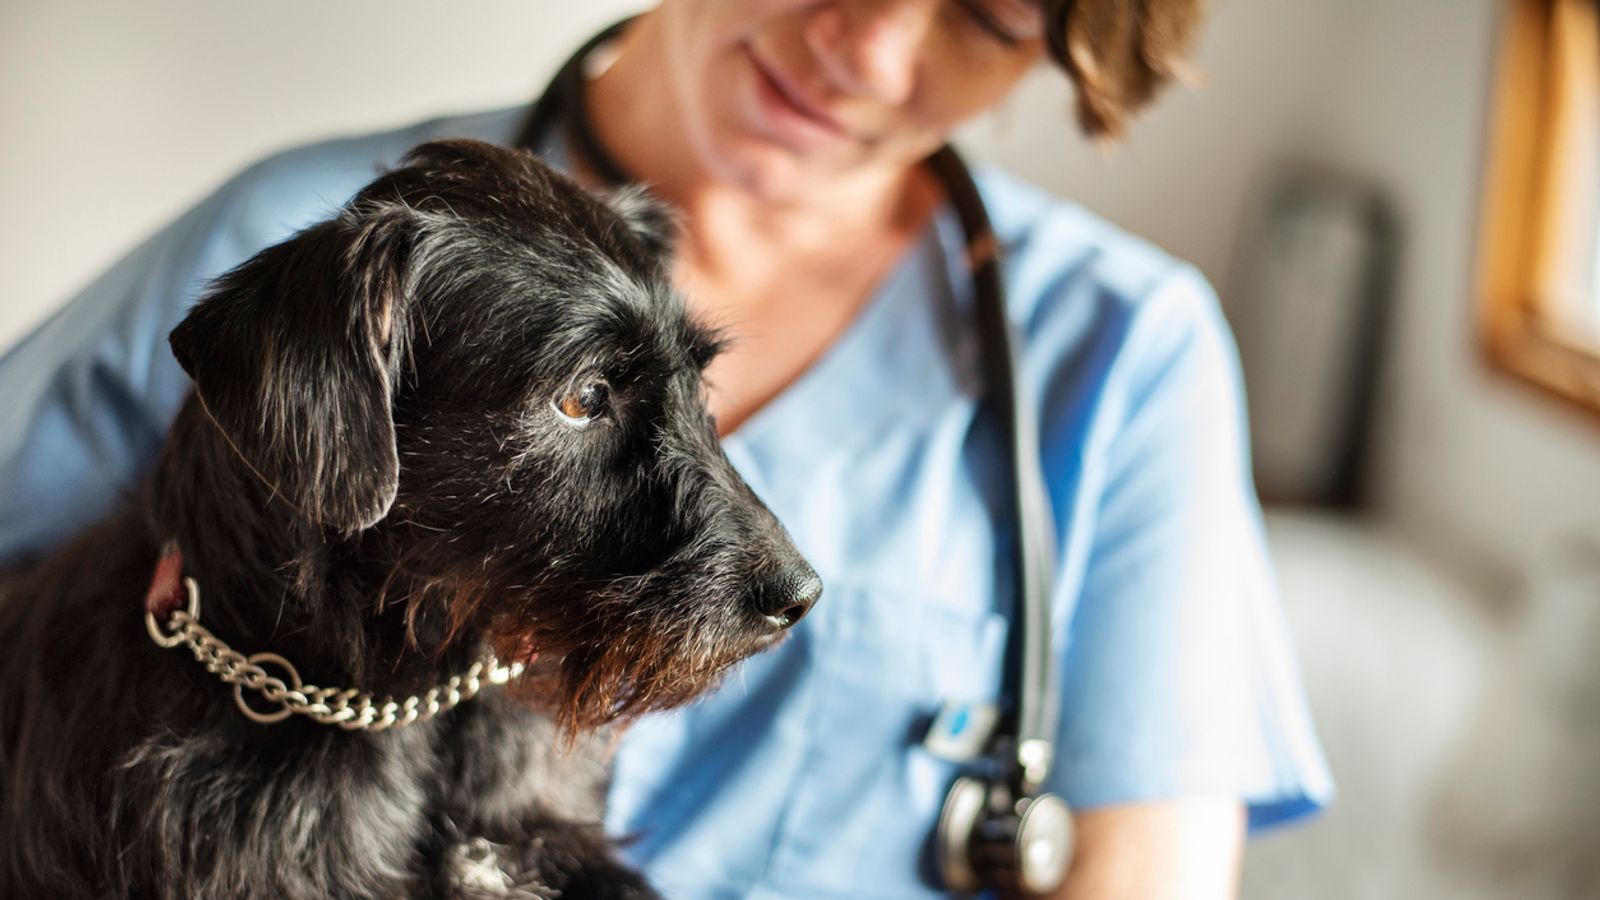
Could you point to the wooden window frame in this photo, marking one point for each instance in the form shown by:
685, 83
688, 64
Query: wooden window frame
1527, 205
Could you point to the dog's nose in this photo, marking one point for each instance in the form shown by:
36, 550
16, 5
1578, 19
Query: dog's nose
790, 596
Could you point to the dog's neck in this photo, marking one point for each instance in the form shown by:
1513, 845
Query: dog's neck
273, 581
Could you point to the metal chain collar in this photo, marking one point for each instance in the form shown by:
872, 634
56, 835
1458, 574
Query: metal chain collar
347, 708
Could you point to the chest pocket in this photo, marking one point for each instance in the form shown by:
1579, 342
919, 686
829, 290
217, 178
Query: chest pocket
867, 795
804, 776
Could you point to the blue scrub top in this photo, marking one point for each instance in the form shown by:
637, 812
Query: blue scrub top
803, 776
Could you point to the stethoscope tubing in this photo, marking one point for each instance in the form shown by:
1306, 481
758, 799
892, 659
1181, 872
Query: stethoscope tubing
1026, 734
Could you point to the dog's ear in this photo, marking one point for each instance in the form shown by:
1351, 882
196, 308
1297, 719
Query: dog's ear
652, 224
294, 355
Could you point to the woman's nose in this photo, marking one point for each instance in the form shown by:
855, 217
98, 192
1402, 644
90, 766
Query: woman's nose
870, 48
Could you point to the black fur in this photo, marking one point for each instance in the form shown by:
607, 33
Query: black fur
374, 477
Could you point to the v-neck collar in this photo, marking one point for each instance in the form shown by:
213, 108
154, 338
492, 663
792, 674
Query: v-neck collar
821, 395
821, 409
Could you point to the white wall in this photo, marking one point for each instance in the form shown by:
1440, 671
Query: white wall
1477, 464
115, 116
1188, 168
1476, 467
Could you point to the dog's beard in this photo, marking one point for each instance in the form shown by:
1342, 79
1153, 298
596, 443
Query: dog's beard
596, 653
588, 685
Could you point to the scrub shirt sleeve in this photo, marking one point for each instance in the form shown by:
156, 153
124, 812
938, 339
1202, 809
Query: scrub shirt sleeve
1178, 678
90, 393
85, 400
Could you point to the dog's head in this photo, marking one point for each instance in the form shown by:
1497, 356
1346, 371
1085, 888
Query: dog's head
479, 373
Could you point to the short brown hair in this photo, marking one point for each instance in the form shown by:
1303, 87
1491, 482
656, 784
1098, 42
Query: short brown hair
1119, 53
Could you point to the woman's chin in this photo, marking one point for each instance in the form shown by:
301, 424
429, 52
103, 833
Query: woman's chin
772, 172
778, 182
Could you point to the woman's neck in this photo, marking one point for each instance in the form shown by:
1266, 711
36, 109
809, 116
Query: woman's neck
633, 111
785, 268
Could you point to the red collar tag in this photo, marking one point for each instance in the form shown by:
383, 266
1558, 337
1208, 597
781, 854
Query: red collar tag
166, 586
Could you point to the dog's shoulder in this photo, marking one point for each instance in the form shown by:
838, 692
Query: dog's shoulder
511, 762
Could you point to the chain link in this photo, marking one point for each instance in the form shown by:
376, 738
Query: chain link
347, 708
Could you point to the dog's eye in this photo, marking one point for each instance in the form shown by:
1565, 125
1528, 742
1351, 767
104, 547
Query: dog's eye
586, 401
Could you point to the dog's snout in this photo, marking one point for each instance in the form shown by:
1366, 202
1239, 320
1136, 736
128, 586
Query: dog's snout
790, 596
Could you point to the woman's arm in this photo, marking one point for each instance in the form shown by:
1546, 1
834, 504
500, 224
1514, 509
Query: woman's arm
1181, 704
1175, 850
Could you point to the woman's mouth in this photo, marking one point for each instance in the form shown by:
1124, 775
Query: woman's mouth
787, 110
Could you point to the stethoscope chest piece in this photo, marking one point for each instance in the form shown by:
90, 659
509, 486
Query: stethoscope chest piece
963, 807
987, 838
1043, 844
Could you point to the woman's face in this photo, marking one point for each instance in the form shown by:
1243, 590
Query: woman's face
776, 95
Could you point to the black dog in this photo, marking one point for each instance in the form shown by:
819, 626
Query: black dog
456, 430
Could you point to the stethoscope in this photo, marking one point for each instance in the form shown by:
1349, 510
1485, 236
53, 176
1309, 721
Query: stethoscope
997, 829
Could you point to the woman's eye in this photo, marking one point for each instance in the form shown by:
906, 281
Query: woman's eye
1009, 23
988, 22
584, 401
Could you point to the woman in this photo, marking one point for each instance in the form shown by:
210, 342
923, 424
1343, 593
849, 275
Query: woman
790, 133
